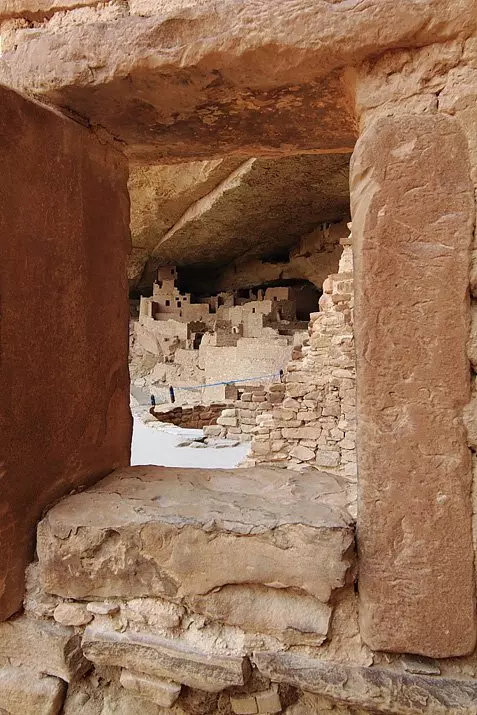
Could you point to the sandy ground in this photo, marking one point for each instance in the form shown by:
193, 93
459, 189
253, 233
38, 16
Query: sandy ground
156, 443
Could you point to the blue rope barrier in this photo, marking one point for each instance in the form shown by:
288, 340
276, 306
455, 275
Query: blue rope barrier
169, 391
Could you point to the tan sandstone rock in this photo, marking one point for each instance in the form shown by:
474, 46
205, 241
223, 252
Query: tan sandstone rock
44, 646
412, 228
72, 614
171, 659
289, 616
181, 533
375, 689
159, 691
24, 692
89, 62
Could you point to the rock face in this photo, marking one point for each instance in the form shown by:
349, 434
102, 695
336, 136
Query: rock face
380, 689
139, 57
212, 212
51, 264
412, 229
25, 691
164, 658
313, 258
182, 534
160, 195
264, 206
43, 646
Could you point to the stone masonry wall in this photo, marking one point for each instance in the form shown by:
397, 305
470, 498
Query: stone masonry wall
191, 592
239, 421
64, 389
310, 418
413, 190
195, 417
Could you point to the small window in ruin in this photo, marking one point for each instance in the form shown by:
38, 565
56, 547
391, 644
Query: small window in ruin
179, 304
172, 271
253, 310
168, 302
274, 297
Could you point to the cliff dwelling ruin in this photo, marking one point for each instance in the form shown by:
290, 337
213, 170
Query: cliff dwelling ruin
269, 208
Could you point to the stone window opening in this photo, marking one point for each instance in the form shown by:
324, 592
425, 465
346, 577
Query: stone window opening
391, 620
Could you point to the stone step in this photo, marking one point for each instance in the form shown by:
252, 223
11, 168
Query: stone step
192, 569
154, 531
259, 549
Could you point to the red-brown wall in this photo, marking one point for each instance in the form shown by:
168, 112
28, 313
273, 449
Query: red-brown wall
64, 239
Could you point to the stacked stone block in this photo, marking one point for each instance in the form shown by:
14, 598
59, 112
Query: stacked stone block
311, 418
240, 421
196, 417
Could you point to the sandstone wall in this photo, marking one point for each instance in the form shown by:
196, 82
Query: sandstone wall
195, 417
309, 419
239, 421
64, 410
413, 181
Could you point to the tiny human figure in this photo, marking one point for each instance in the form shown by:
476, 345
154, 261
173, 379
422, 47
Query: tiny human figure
172, 395
153, 401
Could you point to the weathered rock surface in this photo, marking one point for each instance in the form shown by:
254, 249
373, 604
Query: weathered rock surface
159, 691
43, 646
241, 64
412, 230
164, 658
72, 614
31, 8
313, 258
83, 401
381, 690
289, 616
264, 206
151, 531
24, 692
159, 197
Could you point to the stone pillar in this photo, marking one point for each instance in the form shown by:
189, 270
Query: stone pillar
413, 215
64, 388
